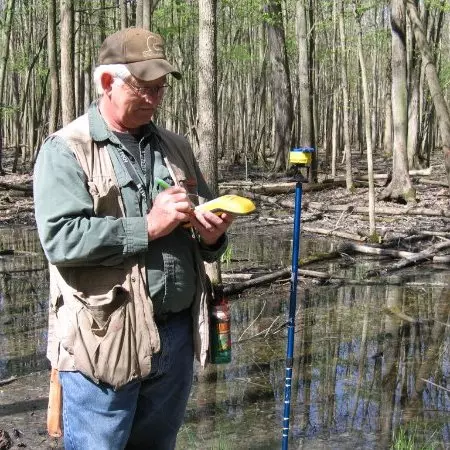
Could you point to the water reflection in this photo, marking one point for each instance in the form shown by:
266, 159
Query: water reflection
23, 304
370, 365
370, 361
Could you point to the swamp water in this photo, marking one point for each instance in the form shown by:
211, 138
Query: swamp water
371, 360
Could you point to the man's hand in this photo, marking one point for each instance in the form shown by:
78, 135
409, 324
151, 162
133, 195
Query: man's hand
210, 226
170, 208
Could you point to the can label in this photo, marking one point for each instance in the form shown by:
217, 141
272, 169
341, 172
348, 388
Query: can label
224, 341
223, 327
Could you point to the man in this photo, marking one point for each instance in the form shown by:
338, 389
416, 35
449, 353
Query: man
128, 305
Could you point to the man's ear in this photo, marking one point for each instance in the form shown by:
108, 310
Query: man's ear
106, 80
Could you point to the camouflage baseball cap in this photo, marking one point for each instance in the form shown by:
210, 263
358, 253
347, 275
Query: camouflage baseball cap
140, 50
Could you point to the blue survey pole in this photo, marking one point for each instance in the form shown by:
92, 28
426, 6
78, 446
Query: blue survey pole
300, 157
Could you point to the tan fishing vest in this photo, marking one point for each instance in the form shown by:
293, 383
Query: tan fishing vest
101, 318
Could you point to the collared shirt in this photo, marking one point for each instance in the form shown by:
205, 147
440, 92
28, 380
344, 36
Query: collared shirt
71, 235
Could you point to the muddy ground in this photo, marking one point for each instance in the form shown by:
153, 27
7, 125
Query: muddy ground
23, 409
23, 401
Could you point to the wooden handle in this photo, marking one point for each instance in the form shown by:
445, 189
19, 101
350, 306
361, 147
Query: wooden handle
54, 405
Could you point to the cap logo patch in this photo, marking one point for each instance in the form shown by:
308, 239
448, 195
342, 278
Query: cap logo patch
154, 47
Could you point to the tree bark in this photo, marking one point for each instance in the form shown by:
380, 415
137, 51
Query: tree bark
281, 84
345, 100
400, 187
146, 14
437, 95
367, 128
207, 104
53, 67
4, 53
67, 62
387, 137
305, 89
123, 14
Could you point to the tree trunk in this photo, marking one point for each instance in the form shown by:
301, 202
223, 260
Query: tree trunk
146, 14
367, 128
67, 62
207, 104
345, 100
123, 14
400, 187
281, 85
53, 67
139, 13
307, 138
413, 111
387, 137
439, 102
4, 53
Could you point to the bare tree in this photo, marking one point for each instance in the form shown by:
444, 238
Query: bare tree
439, 102
53, 67
67, 62
367, 123
4, 53
307, 137
207, 103
123, 14
400, 187
146, 14
387, 138
345, 100
281, 84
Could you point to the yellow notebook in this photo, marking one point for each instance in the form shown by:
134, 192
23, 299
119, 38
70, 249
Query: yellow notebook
233, 204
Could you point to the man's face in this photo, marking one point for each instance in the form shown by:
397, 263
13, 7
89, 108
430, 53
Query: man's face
135, 101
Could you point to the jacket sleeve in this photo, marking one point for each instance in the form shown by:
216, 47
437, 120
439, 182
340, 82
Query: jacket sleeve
70, 233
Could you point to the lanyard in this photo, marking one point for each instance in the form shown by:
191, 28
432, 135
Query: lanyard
146, 155
146, 162
135, 177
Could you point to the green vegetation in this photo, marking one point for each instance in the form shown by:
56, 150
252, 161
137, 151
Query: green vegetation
409, 438
227, 256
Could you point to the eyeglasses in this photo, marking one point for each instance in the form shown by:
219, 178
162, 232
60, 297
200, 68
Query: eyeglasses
151, 91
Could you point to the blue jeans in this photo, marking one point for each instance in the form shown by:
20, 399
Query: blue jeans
141, 415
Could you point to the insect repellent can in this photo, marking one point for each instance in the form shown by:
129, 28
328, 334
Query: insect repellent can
220, 342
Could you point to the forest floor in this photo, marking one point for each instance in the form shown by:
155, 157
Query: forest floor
16, 206
23, 401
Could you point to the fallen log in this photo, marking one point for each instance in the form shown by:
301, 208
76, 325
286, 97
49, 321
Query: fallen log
425, 255
412, 172
7, 381
342, 234
407, 211
284, 187
433, 182
350, 247
265, 221
17, 187
236, 288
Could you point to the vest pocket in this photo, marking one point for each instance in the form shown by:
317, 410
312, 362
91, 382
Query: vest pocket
104, 341
100, 311
105, 197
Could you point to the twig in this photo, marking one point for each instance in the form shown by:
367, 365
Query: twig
7, 381
436, 385
253, 321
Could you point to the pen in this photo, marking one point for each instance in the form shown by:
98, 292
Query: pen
162, 183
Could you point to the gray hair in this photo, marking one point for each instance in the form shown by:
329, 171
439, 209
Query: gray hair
119, 71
